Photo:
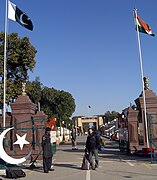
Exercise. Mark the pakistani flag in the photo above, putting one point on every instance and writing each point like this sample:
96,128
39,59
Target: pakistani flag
141,26
15,14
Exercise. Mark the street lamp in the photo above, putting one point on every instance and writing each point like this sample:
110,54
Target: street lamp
63,131
69,132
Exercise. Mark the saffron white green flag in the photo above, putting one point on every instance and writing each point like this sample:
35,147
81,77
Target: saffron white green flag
141,26
15,14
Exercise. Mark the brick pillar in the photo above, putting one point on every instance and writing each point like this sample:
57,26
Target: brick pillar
133,130
151,108
22,110
39,123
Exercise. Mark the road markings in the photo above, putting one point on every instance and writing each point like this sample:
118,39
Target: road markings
146,165
2,172
88,175
131,164
106,161
30,172
153,165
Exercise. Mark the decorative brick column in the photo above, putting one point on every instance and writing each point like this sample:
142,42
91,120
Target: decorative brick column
151,108
22,110
25,120
40,123
133,130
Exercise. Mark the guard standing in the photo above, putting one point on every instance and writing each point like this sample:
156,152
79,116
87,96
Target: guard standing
47,151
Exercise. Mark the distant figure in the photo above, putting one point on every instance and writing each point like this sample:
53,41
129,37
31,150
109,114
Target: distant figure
73,138
47,151
92,146
111,137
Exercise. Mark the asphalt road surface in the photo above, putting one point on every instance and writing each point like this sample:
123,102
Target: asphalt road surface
114,165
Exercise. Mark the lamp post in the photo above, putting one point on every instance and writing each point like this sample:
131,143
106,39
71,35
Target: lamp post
69,132
63,131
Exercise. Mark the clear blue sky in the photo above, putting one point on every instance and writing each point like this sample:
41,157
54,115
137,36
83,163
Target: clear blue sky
89,48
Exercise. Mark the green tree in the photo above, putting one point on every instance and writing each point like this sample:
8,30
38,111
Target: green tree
109,116
64,106
57,103
20,60
47,100
34,90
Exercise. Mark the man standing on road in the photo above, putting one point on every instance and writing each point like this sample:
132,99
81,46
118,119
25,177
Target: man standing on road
92,145
47,151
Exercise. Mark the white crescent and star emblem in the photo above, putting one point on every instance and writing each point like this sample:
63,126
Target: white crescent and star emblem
21,19
21,141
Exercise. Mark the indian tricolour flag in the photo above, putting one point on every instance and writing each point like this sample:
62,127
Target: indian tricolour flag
141,26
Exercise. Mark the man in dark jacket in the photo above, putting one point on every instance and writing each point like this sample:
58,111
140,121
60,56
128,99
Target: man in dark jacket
47,151
92,145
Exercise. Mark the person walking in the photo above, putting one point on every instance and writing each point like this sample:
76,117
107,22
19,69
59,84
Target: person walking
47,151
73,138
92,146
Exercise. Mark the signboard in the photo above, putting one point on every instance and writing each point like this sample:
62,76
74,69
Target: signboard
53,136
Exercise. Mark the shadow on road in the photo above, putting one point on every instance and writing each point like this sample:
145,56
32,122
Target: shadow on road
111,151
69,166
127,174
116,154
73,151
69,143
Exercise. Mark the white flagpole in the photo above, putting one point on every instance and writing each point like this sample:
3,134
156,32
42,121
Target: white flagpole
5,59
142,76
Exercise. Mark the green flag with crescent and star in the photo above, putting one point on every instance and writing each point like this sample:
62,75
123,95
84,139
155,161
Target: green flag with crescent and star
15,14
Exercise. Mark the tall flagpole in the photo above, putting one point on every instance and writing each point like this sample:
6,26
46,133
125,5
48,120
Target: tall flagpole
5,59
142,76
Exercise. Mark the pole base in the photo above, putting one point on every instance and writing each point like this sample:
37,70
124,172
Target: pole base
147,150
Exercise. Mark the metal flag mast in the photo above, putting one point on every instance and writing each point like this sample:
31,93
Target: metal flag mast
5,59
142,76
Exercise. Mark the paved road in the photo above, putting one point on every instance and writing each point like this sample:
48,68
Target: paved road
114,165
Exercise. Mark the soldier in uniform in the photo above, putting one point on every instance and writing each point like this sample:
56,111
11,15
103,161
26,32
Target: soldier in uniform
47,151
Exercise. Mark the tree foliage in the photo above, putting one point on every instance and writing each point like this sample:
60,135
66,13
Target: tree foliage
64,105
109,116
47,100
58,103
20,59
34,90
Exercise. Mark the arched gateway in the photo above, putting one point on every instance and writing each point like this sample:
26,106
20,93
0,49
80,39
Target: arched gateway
83,123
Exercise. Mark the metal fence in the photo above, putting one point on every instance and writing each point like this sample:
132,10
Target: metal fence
35,126
152,120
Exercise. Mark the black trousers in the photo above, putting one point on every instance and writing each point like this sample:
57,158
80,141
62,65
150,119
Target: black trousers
47,162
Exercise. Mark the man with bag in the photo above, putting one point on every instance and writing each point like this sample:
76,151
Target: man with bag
92,146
